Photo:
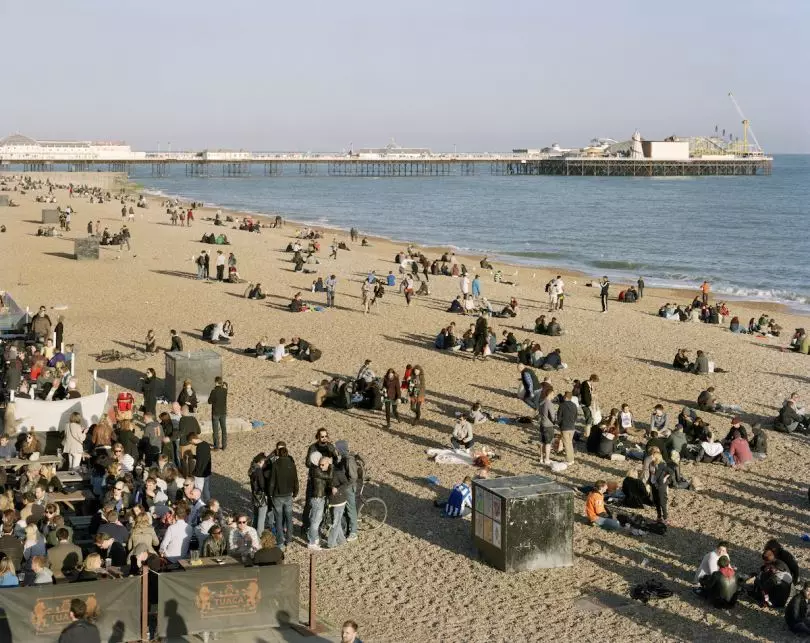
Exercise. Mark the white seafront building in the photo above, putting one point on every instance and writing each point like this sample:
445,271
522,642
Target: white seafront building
22,149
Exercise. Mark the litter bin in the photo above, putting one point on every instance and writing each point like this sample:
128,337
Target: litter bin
201,367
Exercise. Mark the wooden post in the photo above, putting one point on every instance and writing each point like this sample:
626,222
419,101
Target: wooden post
313,619
145,605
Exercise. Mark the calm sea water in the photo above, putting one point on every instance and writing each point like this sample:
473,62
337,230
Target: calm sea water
747,235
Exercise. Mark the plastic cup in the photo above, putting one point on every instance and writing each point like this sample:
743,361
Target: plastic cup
108,562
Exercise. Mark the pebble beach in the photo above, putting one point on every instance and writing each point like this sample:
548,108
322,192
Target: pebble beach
419,577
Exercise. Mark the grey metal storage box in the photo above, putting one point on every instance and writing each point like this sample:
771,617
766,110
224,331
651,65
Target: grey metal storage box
4,199
201,367
50,216
87,248
522,523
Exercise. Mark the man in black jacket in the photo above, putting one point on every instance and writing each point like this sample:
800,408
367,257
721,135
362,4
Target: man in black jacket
79,630
218,399
567,421
282,488
187,426
586,400
202,465
325,448
10,545
604,289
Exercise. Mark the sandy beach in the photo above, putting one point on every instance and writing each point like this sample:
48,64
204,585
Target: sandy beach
419,577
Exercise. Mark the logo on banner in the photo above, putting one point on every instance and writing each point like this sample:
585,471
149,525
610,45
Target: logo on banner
228,597
52,615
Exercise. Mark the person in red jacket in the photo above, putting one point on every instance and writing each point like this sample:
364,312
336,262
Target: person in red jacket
740,450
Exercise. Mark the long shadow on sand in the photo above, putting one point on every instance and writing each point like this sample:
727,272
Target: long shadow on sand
799,378
177,273
653,362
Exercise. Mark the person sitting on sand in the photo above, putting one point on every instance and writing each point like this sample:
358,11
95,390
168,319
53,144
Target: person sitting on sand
462,437
459,504
554,329
595,508
511,309
280,352
256,292
540,326
456,306
553,361
485,264
150,345
263,349
710,451
222,332
297,305
423,289
721,588
681,360
773,584
701,365
796,612
785,556
735,326
709,564
531,386
740,450
509,343
658,421
789,419
707,402
299,348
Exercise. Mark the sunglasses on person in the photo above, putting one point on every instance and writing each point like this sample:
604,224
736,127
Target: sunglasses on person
241,522
117,451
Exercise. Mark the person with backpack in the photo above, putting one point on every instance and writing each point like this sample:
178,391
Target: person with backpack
282,488
354,476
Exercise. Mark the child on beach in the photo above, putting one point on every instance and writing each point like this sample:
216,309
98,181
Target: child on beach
625,419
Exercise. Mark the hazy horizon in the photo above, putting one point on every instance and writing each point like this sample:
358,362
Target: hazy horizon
472,75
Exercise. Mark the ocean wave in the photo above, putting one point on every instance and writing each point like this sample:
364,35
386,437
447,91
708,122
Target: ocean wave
607,264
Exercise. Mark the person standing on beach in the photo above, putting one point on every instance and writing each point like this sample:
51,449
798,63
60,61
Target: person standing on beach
334,249
416,390
220,266
200,261
604,288
407,288
391,392
640,287
587,398
206,264
365,291
331,284
704,289
218,399
480,337
465,285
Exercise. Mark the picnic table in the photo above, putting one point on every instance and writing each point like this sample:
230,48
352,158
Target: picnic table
70,497
186,563
14,463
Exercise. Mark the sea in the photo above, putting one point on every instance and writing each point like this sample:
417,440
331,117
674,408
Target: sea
748,235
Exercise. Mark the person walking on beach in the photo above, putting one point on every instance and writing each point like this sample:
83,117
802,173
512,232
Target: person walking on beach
704,289
334,249
200,261
391,392
587,398
640,287
331,284
416,391
365,291
604,288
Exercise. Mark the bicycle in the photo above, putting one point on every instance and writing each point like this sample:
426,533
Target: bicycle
371,512
107,356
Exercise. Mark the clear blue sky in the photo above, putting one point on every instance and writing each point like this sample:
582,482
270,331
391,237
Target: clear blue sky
265,75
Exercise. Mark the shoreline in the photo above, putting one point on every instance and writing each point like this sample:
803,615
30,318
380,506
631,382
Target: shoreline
155,197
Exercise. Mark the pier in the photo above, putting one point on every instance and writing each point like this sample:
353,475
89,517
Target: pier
686,157
165,165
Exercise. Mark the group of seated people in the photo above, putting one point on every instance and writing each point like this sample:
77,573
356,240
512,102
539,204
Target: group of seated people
249,225
149,516
48,231
218,332
297,348
553,328
695,312
116,239
763,326
530,354
700,366
629,296
771,586
690,439
215,239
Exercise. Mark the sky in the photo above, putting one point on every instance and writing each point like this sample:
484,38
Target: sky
476,76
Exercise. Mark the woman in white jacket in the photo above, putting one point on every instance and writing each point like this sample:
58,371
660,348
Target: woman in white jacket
73,444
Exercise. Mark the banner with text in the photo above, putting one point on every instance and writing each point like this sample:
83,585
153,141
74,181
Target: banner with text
216,599
39,614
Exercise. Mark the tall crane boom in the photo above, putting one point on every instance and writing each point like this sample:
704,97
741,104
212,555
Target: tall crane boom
746,126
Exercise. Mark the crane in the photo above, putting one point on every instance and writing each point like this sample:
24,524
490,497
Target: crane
746,128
